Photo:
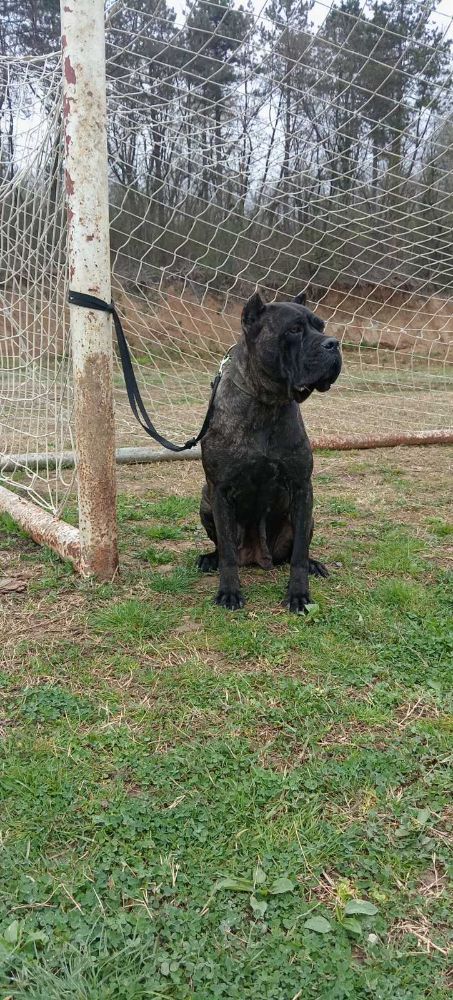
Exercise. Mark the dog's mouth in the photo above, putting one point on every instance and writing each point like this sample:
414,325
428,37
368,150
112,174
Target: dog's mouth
324,385
302,392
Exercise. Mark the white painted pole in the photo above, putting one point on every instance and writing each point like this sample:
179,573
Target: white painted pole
42,526
84,107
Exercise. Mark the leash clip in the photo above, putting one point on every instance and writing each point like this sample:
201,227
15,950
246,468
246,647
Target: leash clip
224,362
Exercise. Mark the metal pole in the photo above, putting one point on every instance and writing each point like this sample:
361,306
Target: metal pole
42,526
144,455
84,109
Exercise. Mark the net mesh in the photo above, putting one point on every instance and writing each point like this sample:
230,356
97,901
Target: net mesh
287,145
35,391
291,146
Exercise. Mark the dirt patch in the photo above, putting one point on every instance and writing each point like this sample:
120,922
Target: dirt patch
267,739
164,320
380,476
381,317
414,711
39,628
372,316
355,734
427,937
161,479
434,881
442,828
6,726
326,890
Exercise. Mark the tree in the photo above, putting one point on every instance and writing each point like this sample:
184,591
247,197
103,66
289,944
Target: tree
29,27
407,77
213,37
287,76
341,51
142,64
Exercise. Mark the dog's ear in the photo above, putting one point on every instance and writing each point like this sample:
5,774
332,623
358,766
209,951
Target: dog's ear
301,298
252,316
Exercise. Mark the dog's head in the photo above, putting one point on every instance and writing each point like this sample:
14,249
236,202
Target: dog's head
289,347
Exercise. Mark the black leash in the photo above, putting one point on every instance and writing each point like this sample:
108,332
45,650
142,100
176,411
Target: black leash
133,391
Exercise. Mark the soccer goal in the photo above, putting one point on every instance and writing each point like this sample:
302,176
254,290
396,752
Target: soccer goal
177,159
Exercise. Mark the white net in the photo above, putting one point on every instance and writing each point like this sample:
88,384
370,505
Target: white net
291,145
283,144
35,392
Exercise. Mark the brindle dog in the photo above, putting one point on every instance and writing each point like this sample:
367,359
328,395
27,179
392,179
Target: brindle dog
257,502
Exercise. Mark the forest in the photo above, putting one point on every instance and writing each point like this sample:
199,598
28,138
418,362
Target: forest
294,142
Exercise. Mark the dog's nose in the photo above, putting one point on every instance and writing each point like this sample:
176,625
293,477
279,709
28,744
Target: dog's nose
330,344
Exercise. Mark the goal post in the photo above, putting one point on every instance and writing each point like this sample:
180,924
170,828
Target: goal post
41,367
86,185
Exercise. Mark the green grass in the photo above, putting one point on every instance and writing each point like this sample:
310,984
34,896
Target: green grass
165,532
131,621
9,528
198,805
443,529
158,557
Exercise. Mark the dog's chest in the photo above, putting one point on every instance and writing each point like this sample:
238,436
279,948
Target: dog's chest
253,484
256,453
270,451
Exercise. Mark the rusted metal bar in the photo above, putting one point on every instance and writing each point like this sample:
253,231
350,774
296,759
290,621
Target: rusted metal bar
66,459
36,460
144,455
43,527
350,443
84,113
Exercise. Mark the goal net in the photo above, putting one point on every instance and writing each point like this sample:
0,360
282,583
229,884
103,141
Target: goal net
283,144
35,389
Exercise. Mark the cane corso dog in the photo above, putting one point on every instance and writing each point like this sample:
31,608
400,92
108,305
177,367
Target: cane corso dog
257,501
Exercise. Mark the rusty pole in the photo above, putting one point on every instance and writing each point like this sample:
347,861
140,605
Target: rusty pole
84,109
144,454
43,527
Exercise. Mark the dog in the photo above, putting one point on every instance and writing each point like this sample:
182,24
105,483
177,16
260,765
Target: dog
257,502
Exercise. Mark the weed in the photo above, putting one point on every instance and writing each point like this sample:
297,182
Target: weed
165,532
158,557
440,528
174,507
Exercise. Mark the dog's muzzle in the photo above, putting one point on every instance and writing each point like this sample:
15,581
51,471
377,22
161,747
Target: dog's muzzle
330,367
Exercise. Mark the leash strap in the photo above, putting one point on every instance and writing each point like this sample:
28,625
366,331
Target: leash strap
136,403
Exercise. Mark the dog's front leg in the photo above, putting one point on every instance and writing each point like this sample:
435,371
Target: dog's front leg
229,592
301,515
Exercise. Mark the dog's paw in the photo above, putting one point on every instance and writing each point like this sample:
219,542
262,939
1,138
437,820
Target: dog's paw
317,568
296,601
231,599
208,562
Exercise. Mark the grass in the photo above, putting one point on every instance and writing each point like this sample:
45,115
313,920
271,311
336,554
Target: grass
199,805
